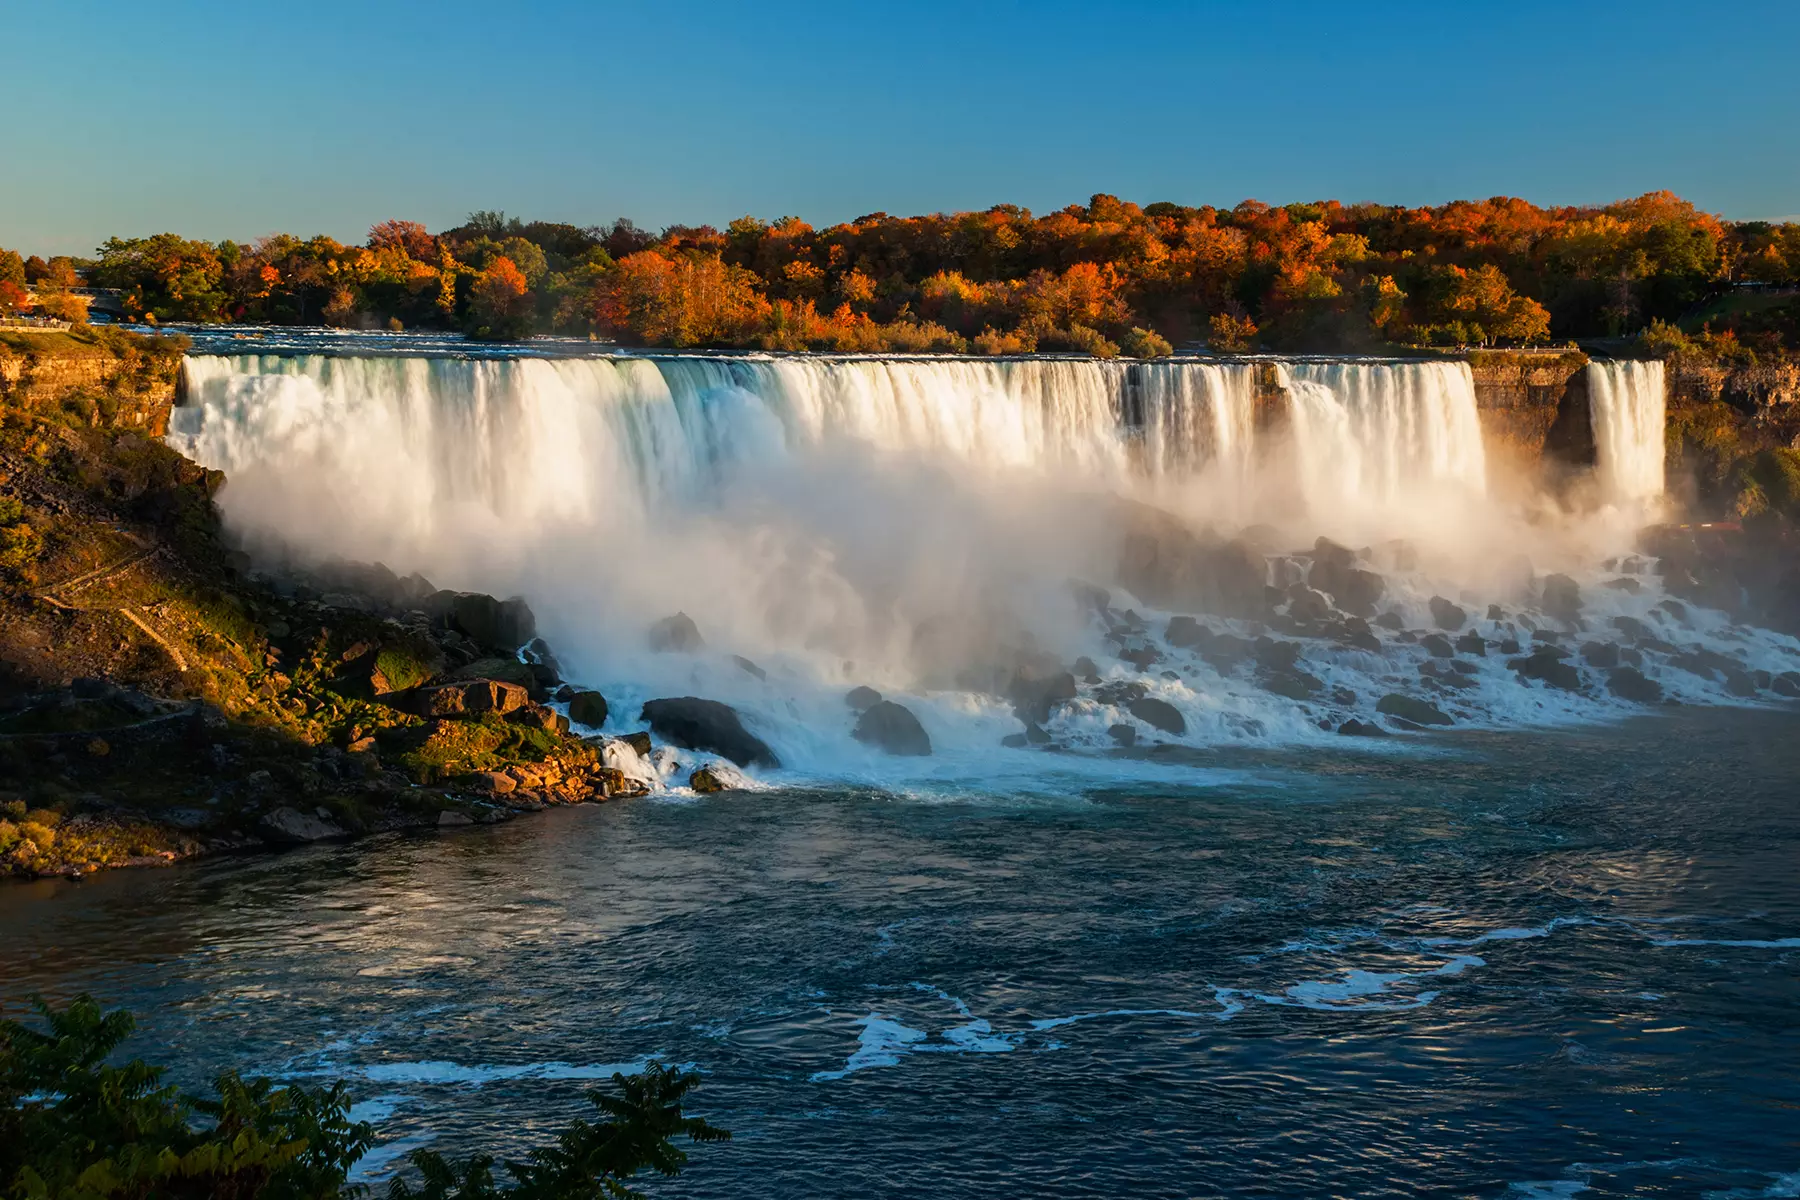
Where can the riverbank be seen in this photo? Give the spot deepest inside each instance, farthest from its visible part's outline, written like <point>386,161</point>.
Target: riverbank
<point>157,701</point>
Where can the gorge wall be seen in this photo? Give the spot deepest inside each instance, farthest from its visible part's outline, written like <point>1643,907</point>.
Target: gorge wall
<point>110,379</point>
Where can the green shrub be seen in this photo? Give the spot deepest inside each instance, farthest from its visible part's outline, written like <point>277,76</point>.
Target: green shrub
<point>74,1128</point>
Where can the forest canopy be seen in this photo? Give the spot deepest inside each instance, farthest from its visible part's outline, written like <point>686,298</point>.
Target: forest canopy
<point>1102,278</point>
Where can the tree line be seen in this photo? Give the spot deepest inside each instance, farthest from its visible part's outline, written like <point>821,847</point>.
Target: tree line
<point>1103,278</point>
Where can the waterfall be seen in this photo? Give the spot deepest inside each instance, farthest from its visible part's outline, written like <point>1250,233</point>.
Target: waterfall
<point>1626,403</point>
<point>1376,433</point>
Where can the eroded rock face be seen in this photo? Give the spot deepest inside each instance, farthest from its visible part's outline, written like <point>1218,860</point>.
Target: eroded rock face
<point>696,724</point>
<point>893,728</point>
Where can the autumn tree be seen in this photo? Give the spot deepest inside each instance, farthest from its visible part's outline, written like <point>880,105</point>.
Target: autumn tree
<point>500,305</point>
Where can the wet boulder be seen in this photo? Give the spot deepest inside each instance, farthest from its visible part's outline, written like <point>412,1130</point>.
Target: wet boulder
<point>676,634</point>
<point>717,777</point>
<point>1292,683</point>
<point>1446,615</point>
<point>1166,563</point>
<point>1411,708</point>
<point>858,699</point>
<point>1437,645</point>
<point>1120,692</point>
<point>1562,598</point>
<point>1276,655</point>
<point>1471,643</point>
<point>1308,604</point>
<point>1629,683</point>
<point>893,728</point>
<point>696,724</point>
<point>1787,684</point>
<point>1184,632</point>
<point>1546,663</point>
<point>588,708</point>
<point>1604,655</point>
<point>749,668</point>
<point>1035,693</point>
<point>1356,728</point>
<point>1391,620</point>
<point>1123,735</point>
<point>1159,714</point>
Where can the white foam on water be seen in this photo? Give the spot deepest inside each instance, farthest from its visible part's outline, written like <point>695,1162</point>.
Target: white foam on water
<point>469,1075</point>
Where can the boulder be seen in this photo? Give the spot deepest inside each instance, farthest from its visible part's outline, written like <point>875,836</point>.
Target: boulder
<point>857,699</point>
<point>1159,714</point>
<point>1352,588</point>
<point>540,717</point>
<point>749,668</point>
<point>697,724</point>
<point>1036,693</point>
<point>1184,631</point>
<point>639,741</point>
<point>291,827</point>
<point>1547,664</point>
<point>495,624</point>
<point>1471,643</point>
<point>1355,728</point>
<point>1411,708</point>
<point>1362,639</point>
<point>449,818</point>
<point>1739,683</point>
<point>1276,655</point>
<point>1087,669</point>
<point>1308,604</point>
<point>676,634</point>
<point>1124,735</point>
<point>1787,684</point>
<point>588,708</point>
<point>1600,654</point>
<point>1629,683</point>
<point>505,670</point>
<point>1391,620</point>
<point>893,728</point>
<point>469,698</point>
<point>717,777</point>
<point>1120,692</point>
<point>1437,645</point>
<point>1562,598</point>
<point>1448,616</point>
<point>1294,684</point>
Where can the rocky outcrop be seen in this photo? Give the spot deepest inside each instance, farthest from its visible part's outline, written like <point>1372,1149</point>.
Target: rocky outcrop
<point>697,724</point>
<point>1531,402</point>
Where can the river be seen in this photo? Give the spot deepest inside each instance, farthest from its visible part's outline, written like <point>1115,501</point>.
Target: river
<point>1545,963</point>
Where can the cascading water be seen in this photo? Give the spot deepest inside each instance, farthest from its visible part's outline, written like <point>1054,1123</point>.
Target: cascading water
<point>1626,403</point>
<point>816,514</point>
<point>1375,433</point>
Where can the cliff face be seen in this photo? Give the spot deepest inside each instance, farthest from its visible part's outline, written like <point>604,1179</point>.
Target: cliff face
<point>103,378</point>
<point>1533,406</point>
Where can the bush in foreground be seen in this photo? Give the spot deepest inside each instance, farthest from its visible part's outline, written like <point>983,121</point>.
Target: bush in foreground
<point>73,1127</point>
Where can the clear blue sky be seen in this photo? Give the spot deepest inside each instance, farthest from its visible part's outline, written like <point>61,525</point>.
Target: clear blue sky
<point>217,119</point>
